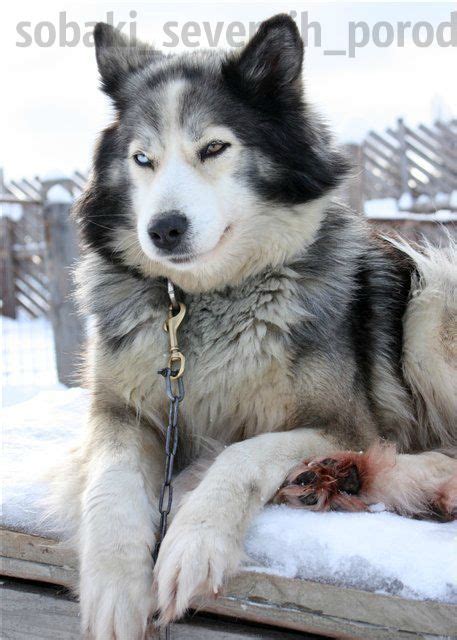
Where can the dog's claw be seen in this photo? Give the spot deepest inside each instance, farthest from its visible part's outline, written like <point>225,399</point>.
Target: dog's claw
<point>321,485</point>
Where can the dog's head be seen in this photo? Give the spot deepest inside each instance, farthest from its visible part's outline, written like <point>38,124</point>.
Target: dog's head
<point>215,166</point>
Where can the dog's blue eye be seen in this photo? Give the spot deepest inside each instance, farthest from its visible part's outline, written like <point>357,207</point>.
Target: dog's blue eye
<point>214,148</point>
<point>142,160</point>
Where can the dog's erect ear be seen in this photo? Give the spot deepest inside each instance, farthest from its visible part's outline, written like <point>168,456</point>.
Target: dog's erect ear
<point>272,60</point>
<point>117,56</point>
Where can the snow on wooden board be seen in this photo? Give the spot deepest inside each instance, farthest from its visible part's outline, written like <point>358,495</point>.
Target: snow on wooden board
<point>376,552</point>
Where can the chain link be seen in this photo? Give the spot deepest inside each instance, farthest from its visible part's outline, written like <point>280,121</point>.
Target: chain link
<point>171,446</point>
<point>174,387</point>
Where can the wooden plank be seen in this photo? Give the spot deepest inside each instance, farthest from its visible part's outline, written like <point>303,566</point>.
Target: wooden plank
<point>387,171</point>
<point>298,605</point>
<point>38,614</point>
<point>42,613</point>
<point>28,305</point>
<point>439,182</point>
<point>390,160</point>
<point>24,546</point>
<point>7,269</point>
<point>414,137</point>
<point>61,255</point>
<point>314,607</point>
<point>438,164</point>
<point>38,571</point>
<point>439,140</point>
<point>354,186</point>
<point>34,189</point>
<point>28,192</point>
<point>27,289</point>
<point>375,136</point>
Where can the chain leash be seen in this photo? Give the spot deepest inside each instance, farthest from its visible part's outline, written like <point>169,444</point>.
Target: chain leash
<point>174,387</point>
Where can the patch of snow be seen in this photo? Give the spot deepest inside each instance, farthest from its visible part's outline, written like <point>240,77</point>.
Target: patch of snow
<point>376,508</point>
<point>381,207</point>
<point>59,194</point>
<point>453,200</point>
<point>405,201</point>
<point>28,358</point>
<point>52,175</point>
<point>36,433</point>
<point>375,210</point>
<point>423,199</point>
<point>11,210</point>
<point>379,552</point>
<point>441,200</point>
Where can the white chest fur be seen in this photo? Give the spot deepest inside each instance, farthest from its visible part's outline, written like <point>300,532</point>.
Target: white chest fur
<point>237,375</point>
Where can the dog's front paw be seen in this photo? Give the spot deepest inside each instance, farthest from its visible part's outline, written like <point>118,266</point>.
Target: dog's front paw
<point>193,561</point>
<point>116,602</point>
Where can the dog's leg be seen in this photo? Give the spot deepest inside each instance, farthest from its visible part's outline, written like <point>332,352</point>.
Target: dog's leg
<point>119,520</point>
<point>417,485</point>
<point>204,542</point>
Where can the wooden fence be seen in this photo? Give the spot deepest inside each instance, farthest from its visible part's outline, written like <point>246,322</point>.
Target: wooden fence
<point>417,167</point>
<point>38,251</point>
<point>24,273</point>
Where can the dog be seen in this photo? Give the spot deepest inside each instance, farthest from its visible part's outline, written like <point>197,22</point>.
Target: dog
<point>309,340</point>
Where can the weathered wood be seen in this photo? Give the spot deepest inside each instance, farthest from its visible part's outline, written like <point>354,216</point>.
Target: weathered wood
<point>319,608</point>
<point>354,186</point>
<point>411,161</point>
<point>298,605</point>
<point>7,269</point>
<point>39,571</point>
<point>61,256</point>
<point>42,613</point>
<point>24,546</point>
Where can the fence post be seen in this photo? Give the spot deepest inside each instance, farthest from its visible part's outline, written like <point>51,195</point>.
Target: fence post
<point>7,268</point>
<point>354,185</point>
<point>61,255</point>
<point>404,168</point>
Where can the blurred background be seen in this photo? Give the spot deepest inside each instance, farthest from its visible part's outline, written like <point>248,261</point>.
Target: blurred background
<point>382,73</point>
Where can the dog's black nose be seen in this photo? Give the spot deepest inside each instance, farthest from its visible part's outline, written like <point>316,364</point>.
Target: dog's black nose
<point>167,231</point>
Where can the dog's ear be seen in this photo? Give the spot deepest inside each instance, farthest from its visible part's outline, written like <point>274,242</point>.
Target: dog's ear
<point>272,60</point>
<point>117,57</point>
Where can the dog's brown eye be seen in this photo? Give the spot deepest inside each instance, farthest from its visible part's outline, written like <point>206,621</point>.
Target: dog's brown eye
<point>214,148</point>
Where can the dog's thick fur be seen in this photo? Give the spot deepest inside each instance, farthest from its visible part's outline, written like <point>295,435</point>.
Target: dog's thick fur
<point>305,333</point>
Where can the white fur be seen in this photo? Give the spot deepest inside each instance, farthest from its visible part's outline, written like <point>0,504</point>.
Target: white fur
<point>119,521</point>
<point>411,485</point>
<point>430,341</point>
<point>205,192</point>
<point>204,543</point>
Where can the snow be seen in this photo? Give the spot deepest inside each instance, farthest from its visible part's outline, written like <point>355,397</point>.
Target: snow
<point>442,200</point>
<point>381,207</point>
<point>37,431</point>
<point>389,209</point>
<point>453,200</point>
<point>379,552</point>
<point>405,201</point>
<point>376,551</point>
<point>59,194</point>
<point>53,175</point>
<point>11,210</point>
<point>27,356</point>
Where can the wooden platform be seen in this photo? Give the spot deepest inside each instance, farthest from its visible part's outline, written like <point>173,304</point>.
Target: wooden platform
<point>253,605</point>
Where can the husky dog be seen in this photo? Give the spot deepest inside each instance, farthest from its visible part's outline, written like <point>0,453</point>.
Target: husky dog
<point>307,338</point>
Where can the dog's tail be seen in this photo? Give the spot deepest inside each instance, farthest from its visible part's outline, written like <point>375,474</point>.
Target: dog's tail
<point>430,341</point>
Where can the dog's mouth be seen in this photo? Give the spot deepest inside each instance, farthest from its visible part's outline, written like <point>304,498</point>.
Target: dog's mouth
<point>194,257</point>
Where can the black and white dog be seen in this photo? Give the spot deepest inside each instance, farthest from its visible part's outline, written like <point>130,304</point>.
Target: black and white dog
<point>306,336</point>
